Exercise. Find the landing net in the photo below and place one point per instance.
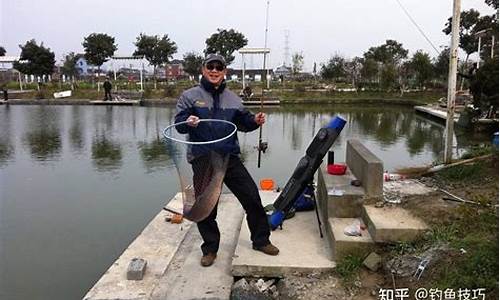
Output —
(201, 157)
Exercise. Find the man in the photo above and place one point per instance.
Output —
(107, 89)
(212, 100)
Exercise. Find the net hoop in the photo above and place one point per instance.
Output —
(165, 134)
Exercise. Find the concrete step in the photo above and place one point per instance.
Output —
(301, 248)
(342, 244)
(344, 199)
(392, 224)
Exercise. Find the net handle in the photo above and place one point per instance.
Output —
(200, 143)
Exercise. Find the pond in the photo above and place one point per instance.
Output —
(78, 183)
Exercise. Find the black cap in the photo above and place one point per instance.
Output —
(214, 57)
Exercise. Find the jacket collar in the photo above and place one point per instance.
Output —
(209, 87)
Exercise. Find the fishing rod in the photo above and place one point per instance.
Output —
(262, 146)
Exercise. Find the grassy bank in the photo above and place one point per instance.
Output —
(288, 94)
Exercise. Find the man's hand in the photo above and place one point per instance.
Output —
(193, 121)
(260, 118)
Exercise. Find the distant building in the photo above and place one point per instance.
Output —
(128, 74)
(283, 71)
(83, 67)
(250, 74)
(175, 70)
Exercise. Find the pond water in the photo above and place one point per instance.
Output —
(78, 183)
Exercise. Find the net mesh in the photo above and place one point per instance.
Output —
(201, 158)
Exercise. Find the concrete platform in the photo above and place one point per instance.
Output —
(392, 224)
(301, 248)
(186, 279)
(343, 244)
(120, 102)
(157, 244)
(435, 112)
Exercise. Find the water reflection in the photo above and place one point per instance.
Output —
(106, 154)
(43, 133)
(6, 146)
(76, 137)
(154, 154)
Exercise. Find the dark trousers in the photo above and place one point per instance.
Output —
(107, 95)
(241, 184)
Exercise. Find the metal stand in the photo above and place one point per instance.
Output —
(313, 195)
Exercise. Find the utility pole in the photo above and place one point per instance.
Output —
(452, 82)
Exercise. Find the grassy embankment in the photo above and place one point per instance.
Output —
(290, 93)
(468, 231)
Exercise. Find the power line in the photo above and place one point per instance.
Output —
(418, 27)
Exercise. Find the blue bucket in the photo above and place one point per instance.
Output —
(495, 139)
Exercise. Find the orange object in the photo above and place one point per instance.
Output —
(176, 219)
(266, 184)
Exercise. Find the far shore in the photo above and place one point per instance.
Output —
(172, 101)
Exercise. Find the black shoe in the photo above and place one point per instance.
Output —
(208, 259)
(268, 249)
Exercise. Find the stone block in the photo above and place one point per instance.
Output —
(392, 224)
(343, 244)
(343, 199)
(373, 261)
(366, 167)
(136, 269)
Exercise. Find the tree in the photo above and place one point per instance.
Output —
(492, 3)
(36, 60)
(69, 67)
(388, 57)
(353, 70)
(369, 69)
(484, 86)
(390, 52)
(467, 40)
(334, 69)
(225, 42)
(192, 63)
(2, 51)
(441, 64)
(388, 76)
(421, 66)
(297, 62)
(156, 50)
(98, 48)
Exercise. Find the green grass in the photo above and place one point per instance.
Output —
(479, 151)
(463, 173)
(348, 267)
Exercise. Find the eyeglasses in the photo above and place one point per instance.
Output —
(218, 67)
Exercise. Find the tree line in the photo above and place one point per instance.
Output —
(384, 67)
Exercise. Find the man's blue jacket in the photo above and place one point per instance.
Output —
(206, 102)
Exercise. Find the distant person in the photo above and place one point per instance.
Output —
(247, 92)
(107, 89)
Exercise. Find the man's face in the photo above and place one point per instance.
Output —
(214, 72)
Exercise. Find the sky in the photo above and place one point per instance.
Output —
(317, 29)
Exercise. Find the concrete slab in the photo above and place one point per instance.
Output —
(186, 279)
(301, 248)
(114, 102)
(343, 244)
(157, 244)
(392, 224)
